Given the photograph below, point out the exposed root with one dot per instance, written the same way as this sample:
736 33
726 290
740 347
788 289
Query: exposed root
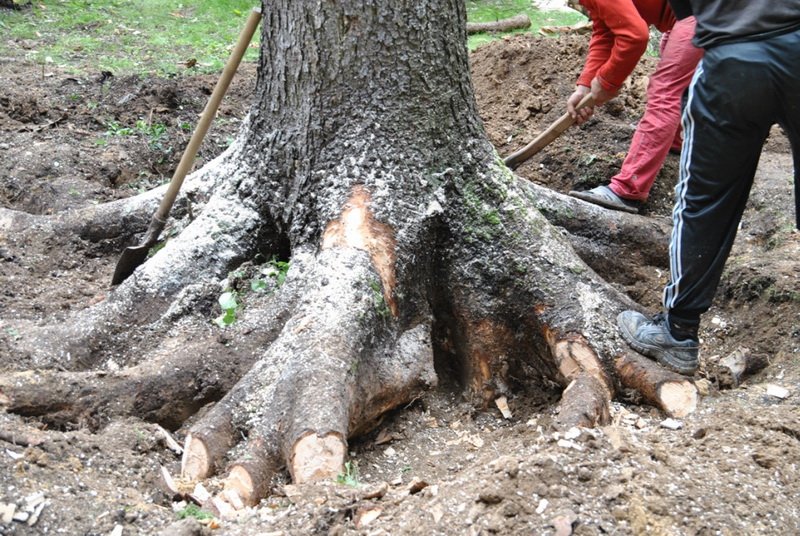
676 395
122 218
223 236
600 236
337 366
584 402
166 390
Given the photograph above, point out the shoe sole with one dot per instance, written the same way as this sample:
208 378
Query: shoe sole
654 352
602 202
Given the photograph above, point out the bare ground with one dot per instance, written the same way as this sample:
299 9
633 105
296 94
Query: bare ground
438 466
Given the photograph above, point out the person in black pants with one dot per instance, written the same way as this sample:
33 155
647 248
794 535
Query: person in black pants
748 80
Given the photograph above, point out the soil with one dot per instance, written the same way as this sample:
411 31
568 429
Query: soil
439 466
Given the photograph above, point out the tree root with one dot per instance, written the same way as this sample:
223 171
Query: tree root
223 236
329 375
123 218
165 390
676 395
603 237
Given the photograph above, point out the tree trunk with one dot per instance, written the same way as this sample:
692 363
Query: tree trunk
364 165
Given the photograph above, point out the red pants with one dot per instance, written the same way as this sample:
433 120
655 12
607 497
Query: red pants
659 128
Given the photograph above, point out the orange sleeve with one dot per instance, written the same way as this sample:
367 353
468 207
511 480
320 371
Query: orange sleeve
619 38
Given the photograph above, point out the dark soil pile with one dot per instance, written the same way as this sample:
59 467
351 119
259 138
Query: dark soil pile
522 86
438 466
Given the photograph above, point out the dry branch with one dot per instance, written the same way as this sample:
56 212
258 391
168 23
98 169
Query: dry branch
516 22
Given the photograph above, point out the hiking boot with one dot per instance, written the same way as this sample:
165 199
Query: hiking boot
651 337
605 197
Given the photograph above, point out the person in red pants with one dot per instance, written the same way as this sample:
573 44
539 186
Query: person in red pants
620 35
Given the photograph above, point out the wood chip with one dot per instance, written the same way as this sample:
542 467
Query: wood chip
366 516
36 513
226 511
168 483
7 512
703 386
170 441
437 512
232 496
567 444
502 405
671 424
200 493
777 391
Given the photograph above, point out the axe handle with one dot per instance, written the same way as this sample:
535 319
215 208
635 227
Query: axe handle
545 138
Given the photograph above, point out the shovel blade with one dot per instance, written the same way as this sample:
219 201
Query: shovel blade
131 259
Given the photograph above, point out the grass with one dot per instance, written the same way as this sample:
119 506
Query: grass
159 37
127 36
492 10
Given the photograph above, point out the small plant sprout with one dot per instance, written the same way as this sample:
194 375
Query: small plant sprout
115 129
13 333
275 269
258 285
192 510
227 301
350 475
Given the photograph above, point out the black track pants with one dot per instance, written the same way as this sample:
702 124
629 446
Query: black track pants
739 91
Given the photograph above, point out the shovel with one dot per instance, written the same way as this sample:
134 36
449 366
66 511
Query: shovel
133 256
545 138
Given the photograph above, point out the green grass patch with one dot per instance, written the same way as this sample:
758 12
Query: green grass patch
490 11
159 37
192 510
126 36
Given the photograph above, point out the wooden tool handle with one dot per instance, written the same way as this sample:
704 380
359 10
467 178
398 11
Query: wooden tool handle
545 138
187 160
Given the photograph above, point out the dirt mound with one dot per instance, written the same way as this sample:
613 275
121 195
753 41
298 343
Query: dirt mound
102 136
522 84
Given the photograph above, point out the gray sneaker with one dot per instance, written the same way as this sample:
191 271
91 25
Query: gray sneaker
651 337
605 197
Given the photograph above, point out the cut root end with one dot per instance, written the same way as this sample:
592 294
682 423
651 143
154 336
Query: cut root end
240 484
196 462
318 458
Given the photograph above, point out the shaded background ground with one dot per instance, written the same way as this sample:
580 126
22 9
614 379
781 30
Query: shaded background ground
437 466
